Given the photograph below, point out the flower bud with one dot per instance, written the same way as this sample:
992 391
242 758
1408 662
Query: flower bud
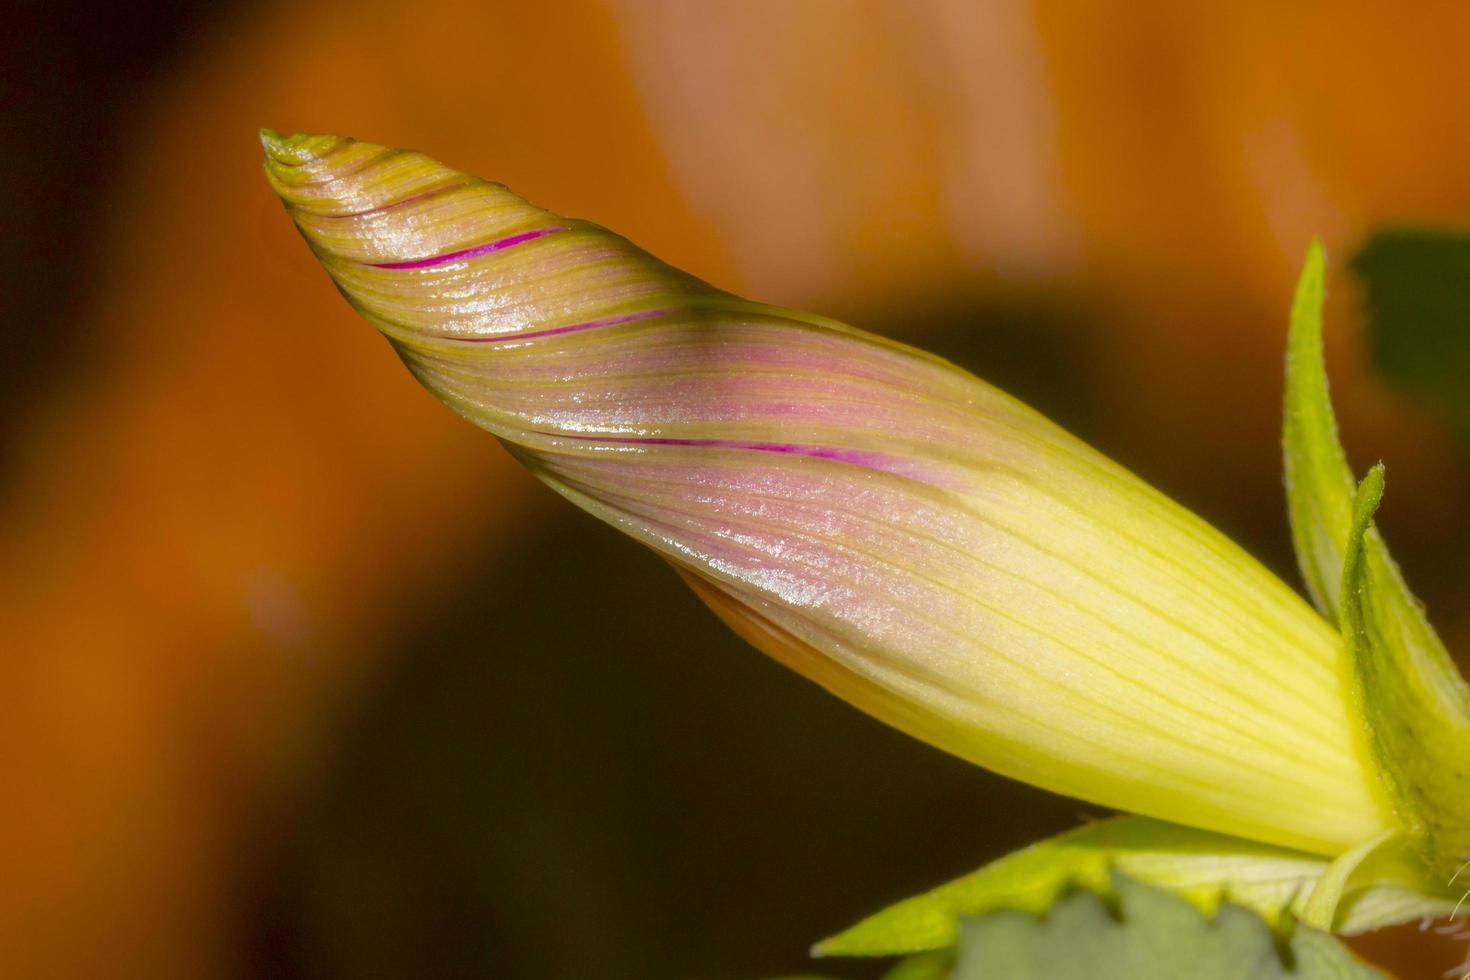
882 521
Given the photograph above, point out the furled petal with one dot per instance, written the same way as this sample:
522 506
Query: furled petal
914 540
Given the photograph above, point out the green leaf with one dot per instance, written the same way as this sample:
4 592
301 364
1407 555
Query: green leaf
925 966
1417 285
1386 887
1413 704
1152 936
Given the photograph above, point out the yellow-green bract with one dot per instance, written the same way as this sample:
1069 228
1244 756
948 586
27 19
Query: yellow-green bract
882 521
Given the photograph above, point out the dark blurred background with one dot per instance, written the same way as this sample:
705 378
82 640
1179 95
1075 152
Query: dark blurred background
304 678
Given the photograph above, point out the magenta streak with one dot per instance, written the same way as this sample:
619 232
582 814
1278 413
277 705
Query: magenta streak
876 461
607 321
469 253
398 204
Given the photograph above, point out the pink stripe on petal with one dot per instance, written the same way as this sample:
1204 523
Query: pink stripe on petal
607 321
469 253
870 460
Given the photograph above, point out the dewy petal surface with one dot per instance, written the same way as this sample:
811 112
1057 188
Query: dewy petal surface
911 538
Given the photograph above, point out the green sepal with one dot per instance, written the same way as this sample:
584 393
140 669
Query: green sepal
1147 934
1415 708
1320 909
1408 694
1205 868
1319 484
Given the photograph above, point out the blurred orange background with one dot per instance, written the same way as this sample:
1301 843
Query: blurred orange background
306 678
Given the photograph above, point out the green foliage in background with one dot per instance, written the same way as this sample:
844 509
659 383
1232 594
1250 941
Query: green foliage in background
1417 285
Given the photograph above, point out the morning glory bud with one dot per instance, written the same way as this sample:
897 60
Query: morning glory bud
880 520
